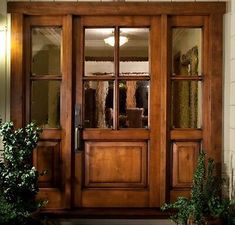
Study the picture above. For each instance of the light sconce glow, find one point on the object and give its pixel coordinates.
(111, 41)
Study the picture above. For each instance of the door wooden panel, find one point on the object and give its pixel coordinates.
(115, 198)
(184, 163)
(115, 164)
(47, 158)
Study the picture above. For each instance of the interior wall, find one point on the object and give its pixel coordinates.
(229, 79)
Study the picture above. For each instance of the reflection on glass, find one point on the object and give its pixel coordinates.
(98, 104)
(186, 51)
(186, 104)
(134, 53)
(46, 51)
(133, 104)
(45, 103)
(99, 55)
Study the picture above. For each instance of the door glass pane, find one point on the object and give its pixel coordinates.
(133, 104)
(46, 51)
(187, 51)
(186, 104)
(45, 103)
(98, 104)
(134, 51)
(99, 54)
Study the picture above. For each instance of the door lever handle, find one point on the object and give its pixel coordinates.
(78, 138)
(78, 142)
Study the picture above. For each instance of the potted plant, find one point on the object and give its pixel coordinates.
(206, 206)
(18, 178)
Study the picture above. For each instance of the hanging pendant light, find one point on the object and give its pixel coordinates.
(111, 41)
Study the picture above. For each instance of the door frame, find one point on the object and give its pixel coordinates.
(213, 13)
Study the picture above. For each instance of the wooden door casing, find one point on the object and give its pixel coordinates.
(165, 146)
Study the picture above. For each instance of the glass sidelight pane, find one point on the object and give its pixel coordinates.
(133, 104)
(134, 51)
(186, 104)
(99, 54)
(46, 51)
(187, 51)
(45, 103)
(98, 104)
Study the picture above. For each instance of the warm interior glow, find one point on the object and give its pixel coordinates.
(111, 41)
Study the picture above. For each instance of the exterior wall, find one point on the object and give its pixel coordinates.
(4, 65)
(230, 88)
(229, 79)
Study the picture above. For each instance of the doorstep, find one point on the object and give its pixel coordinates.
(109, 222)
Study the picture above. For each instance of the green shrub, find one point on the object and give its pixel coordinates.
(206, 201)
(18, 178)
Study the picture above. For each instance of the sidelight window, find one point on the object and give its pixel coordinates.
(186, 85)
(45, 76)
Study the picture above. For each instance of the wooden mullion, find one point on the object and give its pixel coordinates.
(98, 78)
(108, 134)
(17, 77)
(134, 78)
(216, 81)
(46, 77)
(28, 60)
(187, 21)
(155, 112)
(66, 109)
(51, 134)
(116, 83)
(45, 21)
(164, 122)
(206, 107)
(110, 58)
(188, 78)
(186, 134)
(109, 21)
(78, 57)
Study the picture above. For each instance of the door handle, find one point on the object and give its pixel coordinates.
(78, 141)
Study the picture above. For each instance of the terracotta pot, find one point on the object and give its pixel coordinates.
(211, 221)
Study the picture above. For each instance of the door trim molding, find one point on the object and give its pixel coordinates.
(116, 8)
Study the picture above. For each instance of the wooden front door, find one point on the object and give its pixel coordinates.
(117, 112)
(126, 97)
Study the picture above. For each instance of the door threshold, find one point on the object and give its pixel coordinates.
(107, 213)
(111, 222)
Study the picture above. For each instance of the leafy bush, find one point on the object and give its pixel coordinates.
(18, 178)
(206, 201)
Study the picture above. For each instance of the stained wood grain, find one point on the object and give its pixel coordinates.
(117, 8)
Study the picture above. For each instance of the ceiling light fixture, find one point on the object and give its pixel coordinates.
(110, 40)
